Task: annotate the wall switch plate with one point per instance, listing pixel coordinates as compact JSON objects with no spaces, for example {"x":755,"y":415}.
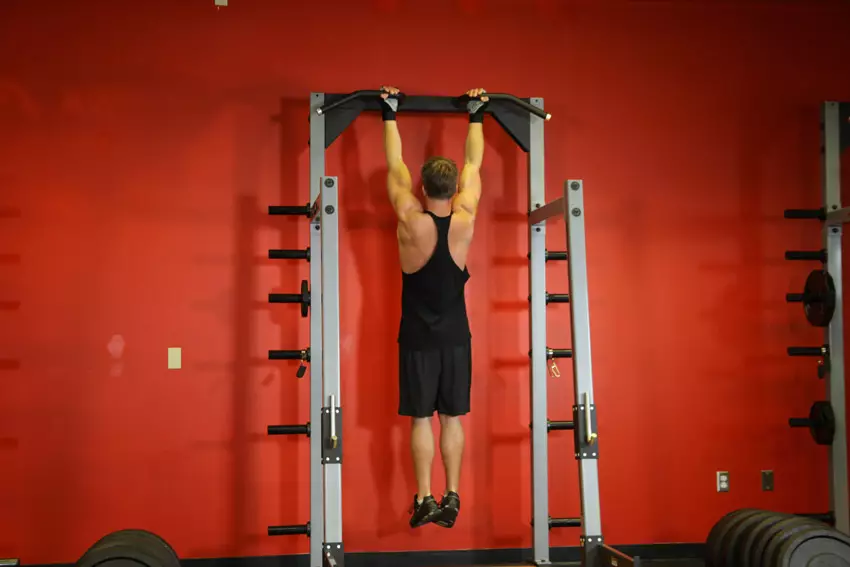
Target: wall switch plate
{"x":175,"y":358}
{"x":767,"y":480}
{"x":722,"y":481}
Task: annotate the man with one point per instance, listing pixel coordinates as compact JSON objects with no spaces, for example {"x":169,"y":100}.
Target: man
{"x":435,"y":353}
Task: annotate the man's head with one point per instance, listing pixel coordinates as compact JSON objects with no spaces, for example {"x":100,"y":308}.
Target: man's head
{"x":439,"y":178}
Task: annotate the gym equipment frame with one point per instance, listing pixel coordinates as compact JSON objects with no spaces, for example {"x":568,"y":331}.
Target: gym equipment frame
{"x":569,"y":207}
{"x":835,"y":128}
{"x":523,"y":120}
{"x":330,"y":115}
{"x":325,"y":525}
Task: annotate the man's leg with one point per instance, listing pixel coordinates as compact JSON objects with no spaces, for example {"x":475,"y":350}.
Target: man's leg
{"x":422,"y":448}
{"x":453,"y":401}
{"x":451,"y":449}
{"x":418,"y":380}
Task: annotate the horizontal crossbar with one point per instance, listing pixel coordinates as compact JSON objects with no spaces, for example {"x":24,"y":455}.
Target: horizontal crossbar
{"x":424,"y":103}
{"x":840,"y":216}
{"x":555,"y":208}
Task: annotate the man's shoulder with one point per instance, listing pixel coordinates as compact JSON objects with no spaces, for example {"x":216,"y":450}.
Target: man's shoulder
{"x":462,"y":220}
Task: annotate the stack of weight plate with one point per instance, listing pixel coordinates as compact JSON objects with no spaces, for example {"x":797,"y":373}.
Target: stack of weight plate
{"x":759,"y":538}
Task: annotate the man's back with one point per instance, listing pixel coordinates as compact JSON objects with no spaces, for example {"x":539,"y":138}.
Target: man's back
{"x":433,"y":251}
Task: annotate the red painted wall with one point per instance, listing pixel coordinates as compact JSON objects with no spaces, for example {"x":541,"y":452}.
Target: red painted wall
{"x":138,"y":157}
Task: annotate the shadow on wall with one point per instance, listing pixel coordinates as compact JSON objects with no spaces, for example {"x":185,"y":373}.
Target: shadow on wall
{"x":244,"y":280}
{"x":293,"y":394}
{"x":8,"y":441}
{"x":502,"y":453}
{"x":261,"y":392}
{"x":8,"y":261}
{"x":370,"y":224}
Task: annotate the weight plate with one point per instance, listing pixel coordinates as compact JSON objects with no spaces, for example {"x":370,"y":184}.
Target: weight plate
{"x":758,"y":553}
{"x":822,"y":420}
{"x":788,"y":531}
{"x":819,"y":298}
{"x":763,"y":529}
{"x":716,"y":542}
{"x":733,"y":543}
{"x":163,"y":549}
{"x":132,"y":547}
{"x":829,"y":553}
{"x":713,"y":535}
{"x":305,"y":298}
{"x":821,"y":545}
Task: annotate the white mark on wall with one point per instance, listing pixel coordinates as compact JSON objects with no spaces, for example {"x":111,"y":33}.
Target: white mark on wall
{"x":115,"y":348}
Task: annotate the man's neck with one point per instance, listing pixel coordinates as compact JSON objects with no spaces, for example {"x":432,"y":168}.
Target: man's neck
{"x":441,"y":208}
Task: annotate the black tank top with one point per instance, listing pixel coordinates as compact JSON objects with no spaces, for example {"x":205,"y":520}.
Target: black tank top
{"x":433,"y":304}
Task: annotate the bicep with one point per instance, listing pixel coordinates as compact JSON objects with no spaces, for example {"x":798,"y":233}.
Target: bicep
{"x":469,"y":190}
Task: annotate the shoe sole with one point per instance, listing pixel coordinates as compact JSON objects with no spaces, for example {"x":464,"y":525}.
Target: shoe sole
{"x":426,"y":520}
{"x":447,"y":518}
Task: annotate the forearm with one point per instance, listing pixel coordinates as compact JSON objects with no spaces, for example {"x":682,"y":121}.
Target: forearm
{"x":392,"y":142}
{"x":475,"y":145}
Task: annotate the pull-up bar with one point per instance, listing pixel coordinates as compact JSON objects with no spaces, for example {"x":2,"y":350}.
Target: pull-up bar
{"x":511,"y":112}
{"x":435,"y":103}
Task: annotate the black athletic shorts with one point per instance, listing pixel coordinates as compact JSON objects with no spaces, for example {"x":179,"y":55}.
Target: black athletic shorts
{"x":434,"y":380}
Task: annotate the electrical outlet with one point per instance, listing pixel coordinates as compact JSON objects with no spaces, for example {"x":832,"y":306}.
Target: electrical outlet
{"x":767,"y":480}
{"x":722,"y":481}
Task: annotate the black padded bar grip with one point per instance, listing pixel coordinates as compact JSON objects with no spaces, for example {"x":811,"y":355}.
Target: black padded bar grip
{"x":290,"y":210}
{"x":805,"y":351}
{"x":515,"y":100}
{"x":289,"y":429}
{"x":289,"y":254}
{"x":799,"y":422}
{"x":793,"y":297}
{"x":564,"y":522}
{"x":819,"y":255}
{"x":557,"y":298}
{"x":285,"y":298}
{"x":300,"y":529}
{"x":561,"y":426}
{"x":556,"y":255}
{"x":410,"y":101}
{"x":804,"y":214}
{"x":288,"y":355}
{"x":559,"y":353}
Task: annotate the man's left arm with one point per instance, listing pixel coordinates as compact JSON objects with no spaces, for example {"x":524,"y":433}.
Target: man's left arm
{"x":399,"y":183}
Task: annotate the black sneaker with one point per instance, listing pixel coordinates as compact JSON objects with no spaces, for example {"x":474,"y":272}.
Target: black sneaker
{"x":449,"y":509}
{"x":425,"y":512}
